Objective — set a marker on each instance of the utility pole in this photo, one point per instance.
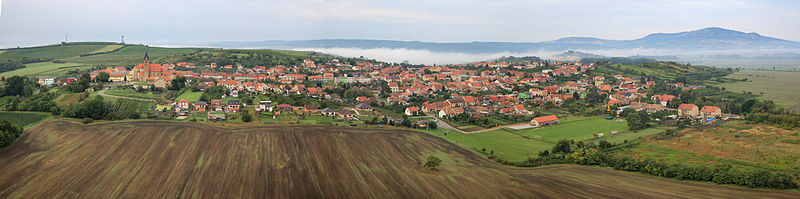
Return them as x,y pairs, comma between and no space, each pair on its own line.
122,39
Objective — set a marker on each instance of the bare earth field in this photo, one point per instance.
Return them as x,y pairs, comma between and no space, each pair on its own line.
58,159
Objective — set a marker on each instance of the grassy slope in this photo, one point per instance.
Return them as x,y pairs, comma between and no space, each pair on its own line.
173,160
778,86
131,55
189,95
53,52
45,68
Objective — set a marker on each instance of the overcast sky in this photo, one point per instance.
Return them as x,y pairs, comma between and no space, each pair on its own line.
24,22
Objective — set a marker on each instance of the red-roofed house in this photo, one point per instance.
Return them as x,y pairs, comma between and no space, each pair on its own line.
545,120
411,111
688,110
710,112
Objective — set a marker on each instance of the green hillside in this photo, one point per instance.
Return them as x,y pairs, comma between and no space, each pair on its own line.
663,70
130,55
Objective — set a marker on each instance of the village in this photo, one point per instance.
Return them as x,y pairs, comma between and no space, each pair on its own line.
508,93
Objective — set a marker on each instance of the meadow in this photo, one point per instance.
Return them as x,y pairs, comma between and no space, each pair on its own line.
778,86
130,105
190,96
190,160
736,143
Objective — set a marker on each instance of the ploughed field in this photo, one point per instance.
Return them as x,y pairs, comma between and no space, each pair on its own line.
58,159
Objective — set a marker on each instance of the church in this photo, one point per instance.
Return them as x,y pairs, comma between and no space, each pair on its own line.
144,71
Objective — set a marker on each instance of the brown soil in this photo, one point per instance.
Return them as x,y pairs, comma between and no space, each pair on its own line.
59,159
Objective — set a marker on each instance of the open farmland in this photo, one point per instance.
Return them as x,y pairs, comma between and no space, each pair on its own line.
780,87
45,68
55,51
59,159
735,143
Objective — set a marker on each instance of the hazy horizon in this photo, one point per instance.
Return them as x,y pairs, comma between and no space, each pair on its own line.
182,21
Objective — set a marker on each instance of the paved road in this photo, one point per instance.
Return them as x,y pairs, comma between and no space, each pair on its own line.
445,125
103,93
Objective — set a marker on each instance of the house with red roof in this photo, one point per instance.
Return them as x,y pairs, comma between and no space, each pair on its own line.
545,120
412,111
688,110
710,112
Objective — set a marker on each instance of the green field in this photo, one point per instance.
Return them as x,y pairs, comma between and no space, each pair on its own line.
131,55
45,68
54,51
505,145
575,128
189,95
780,87
629,136
24,119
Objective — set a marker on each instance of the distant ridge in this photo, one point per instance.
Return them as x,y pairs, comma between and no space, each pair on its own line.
713,38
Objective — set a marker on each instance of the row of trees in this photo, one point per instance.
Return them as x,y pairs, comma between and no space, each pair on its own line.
785,121
592,154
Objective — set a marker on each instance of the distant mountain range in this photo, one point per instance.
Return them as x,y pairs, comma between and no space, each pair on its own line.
698,40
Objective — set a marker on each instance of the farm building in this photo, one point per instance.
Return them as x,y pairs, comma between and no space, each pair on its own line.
545,120
310,108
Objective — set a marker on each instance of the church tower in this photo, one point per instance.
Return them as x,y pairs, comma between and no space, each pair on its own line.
146,66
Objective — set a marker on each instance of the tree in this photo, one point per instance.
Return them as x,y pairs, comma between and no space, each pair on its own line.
102,77
638,120
246,117
432,163
15,86
178,83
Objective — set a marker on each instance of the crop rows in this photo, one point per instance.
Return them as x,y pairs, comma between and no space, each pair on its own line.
129,105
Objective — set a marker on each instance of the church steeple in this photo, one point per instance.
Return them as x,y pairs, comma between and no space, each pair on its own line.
146,57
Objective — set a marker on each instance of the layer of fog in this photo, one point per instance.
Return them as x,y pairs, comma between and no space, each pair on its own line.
414,56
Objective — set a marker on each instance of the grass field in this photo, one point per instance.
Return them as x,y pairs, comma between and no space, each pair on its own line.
189,160
24,119
189,95
45,68
575,128
780,87
735,142
630,136
510,145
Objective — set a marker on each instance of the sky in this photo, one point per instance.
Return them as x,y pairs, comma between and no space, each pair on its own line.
30,22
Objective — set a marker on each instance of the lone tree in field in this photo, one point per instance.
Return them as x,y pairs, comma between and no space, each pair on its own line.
432,163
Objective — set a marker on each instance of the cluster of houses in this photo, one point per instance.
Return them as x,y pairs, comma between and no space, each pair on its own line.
473,92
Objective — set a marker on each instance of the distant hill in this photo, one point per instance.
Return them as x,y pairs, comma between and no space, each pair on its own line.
703,39
573,56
